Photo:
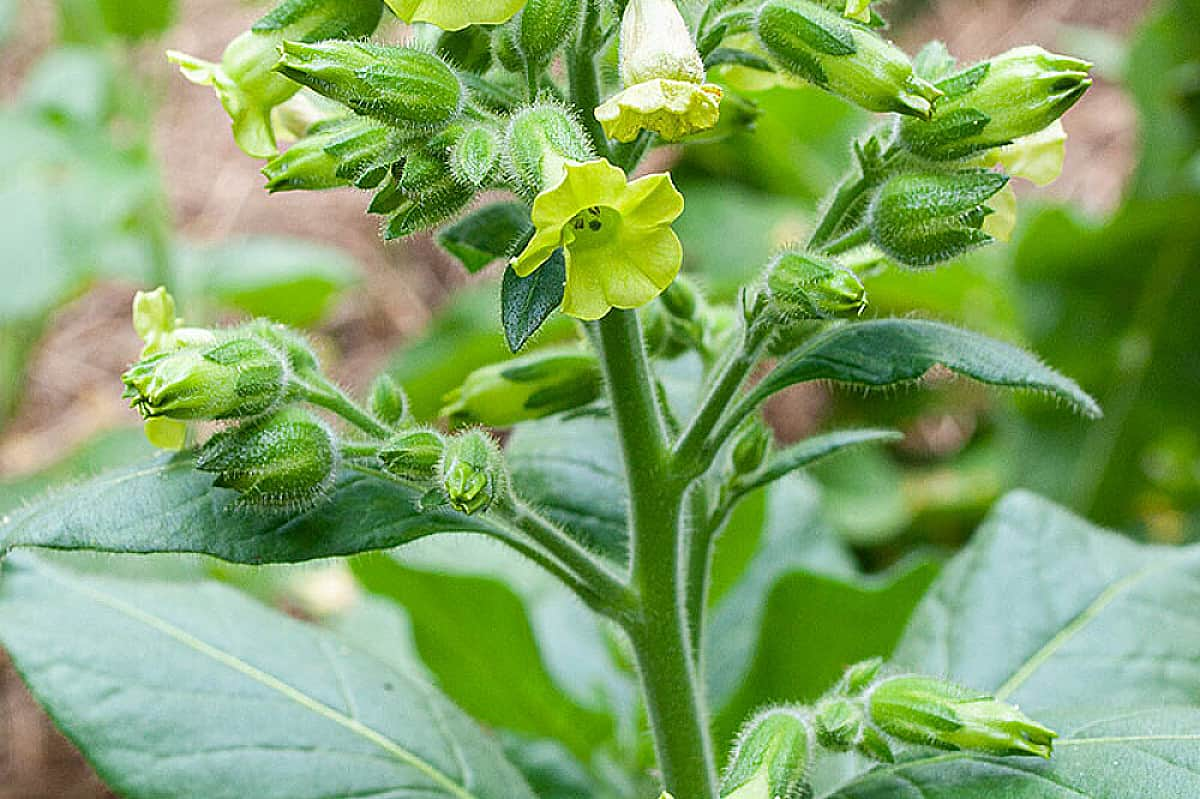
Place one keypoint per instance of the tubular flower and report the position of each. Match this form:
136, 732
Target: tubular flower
663, 76
453, 15
616, 236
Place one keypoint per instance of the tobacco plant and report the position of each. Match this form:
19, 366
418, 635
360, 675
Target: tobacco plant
527, 130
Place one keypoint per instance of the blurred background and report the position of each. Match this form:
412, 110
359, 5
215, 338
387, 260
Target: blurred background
116, 174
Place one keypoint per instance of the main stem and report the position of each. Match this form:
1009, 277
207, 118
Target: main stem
660, 637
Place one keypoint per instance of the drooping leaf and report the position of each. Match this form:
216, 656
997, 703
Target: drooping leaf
888, 352
488, 234
166, 505
193, 689
113, 448
526, 302
1048, 611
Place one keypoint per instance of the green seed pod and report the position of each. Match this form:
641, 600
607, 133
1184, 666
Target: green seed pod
820, 45
238, 377
540, 138
751, 447
530, 387
545, 26
471, 472
804, 286
287, 459
414, 454
922, 219
992, 103
389, 402
771, 758
406, 88
839, 723
932, 712
245, 80
475, 158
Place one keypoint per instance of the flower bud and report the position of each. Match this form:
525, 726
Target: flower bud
470, 472
859, 676
681, 299
540, 140
245, 81
155, 322
296, 349
389, 402
922, 219
530, 387
287, 459
545, 26
820, 45
751, 447
932, 712
839, 722
770, 759
305, 166
413, 454
992, 103
804, 286
407, 88
233, 379
475, 158
656, 43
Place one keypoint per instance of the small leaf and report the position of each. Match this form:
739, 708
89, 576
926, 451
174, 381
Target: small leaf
167, 506
526, 302
817, 448
487, 235
892, 351
194, 689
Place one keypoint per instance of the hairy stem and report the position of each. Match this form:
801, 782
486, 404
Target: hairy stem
320, 392
660, 638
584, 82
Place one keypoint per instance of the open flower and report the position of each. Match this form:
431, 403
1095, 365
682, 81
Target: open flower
616, 236
455, 15
671, 108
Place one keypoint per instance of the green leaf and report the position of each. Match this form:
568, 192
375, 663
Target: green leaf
488, 234
893, 351
818, 448
192, 689
475, 635
109, 449
1153, 752
1045, 610
526, 302
138, 19
167, 506
292, 281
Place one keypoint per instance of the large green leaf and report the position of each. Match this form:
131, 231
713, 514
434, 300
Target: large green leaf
891, 351
112, 448
167, 506
192, 689
1152, 753
475, 635
1048, 611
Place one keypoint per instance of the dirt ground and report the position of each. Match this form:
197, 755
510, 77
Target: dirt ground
215, 192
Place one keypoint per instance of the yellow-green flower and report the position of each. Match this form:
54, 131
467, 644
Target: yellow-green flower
671, 108
859, 10
455, 15
616, 235
1037, 158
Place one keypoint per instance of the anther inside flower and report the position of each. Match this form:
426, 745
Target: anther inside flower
455, 15
616, 235
671, 108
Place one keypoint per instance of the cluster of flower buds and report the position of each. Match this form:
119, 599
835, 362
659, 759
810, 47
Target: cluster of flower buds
471, 472
771, 758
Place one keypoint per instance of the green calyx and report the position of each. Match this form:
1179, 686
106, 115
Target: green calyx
805, 286
539, 141
343, 151
414, 454
530, 387
820, 45
990, 104
471, 472
771, 758
924, 218
389, 402
932, 712
287, 459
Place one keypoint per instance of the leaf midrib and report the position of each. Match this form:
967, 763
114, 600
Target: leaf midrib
270, 681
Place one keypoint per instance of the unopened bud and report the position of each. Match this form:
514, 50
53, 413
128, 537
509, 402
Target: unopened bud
288, 459
858, 677
475, 157
922, 219
771, 758
545, 26
821, 46
245, 80
530, 387
305, 166
407, 88
839, 722
388, 403
234, 379
468, 49
541, 139
470, 472
995, 102
932, 712
681, 299
413, 454
804, 286
656, 43
751, 447
296, 349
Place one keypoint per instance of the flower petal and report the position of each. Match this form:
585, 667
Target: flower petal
673, 109
632, 271
455, 15
649, 202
